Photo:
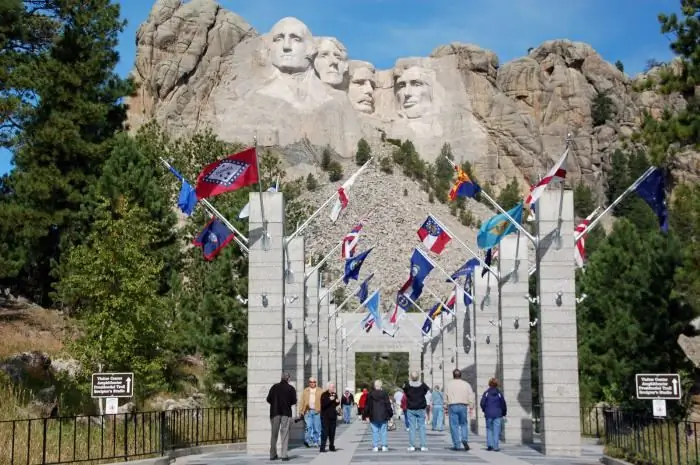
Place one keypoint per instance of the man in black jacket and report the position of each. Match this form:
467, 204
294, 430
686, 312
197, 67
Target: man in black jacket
415, 391
282, 397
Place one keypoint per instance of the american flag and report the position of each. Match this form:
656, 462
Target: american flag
350, 242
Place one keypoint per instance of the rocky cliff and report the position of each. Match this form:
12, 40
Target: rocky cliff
200, 65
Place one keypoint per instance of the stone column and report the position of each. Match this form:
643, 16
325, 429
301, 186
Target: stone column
515, 336
266, 334
428, 366
449, 347
486, 343
464, 352
414, 359
350, 364
333, 345
294, 314
558, 349
323, 337
311, 332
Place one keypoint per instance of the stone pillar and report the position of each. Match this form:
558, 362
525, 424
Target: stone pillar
486, 334
449, 344
350, 368
516, 378
414, 359
294, 314
323, 337
311, 332
266, 333
427, 359
558, 349
333, 347
464, 350
338, 326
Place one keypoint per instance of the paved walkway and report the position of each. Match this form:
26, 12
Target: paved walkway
354, 443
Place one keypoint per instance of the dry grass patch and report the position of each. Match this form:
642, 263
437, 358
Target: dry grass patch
27, 328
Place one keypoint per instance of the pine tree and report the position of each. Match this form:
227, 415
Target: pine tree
510, 195
630, 319
364, 152
64, 135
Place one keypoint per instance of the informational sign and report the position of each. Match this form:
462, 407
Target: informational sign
659, 407
112, 385
658, 386
111, 406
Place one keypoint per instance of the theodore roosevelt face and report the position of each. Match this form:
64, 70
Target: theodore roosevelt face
413, 92
291, 46
361, 89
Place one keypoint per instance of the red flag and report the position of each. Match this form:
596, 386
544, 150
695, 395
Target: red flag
580, 250
227, 175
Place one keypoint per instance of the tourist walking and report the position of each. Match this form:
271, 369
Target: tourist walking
415, 391
361, 405
282, 397
398, 398
459, 397
428, 405
404, 409
378, 411
310, 409
329, 417
438, 405
493, 404
347, 401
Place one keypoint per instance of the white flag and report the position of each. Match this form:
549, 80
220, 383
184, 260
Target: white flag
557, 173
342, 201
580, 248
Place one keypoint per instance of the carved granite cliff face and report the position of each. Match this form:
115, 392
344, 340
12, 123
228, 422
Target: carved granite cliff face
202, 66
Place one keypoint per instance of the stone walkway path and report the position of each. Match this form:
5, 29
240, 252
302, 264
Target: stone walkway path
354, 443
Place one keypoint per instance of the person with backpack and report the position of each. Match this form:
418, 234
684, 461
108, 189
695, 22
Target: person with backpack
493, 404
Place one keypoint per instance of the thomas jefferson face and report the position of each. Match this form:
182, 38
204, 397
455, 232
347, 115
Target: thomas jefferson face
413, 92
361, 89
291, 46
331, 62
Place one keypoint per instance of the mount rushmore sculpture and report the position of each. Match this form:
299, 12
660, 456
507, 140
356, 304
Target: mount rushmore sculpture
201, 66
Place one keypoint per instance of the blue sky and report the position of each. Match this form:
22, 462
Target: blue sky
382, 30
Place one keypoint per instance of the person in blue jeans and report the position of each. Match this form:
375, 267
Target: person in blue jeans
438, 401
459, 397
347, 402
415, 391
378, 411
493, 404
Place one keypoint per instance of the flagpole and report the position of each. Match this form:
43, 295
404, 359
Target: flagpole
323, 260
320, 209
266, 236
561, 196
502, 211
354, 292
469, 249
331, 287
218, 214
622, 196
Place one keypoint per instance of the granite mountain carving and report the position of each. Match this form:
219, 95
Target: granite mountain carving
200, 65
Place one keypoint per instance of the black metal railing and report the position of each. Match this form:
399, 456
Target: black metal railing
592, 421
638, 436
116, 437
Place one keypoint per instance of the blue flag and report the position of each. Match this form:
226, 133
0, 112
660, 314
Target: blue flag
465, 270
187, 199
653, 191
214, 237
421, 266
353, 265
495, 229
363, 292
372, 306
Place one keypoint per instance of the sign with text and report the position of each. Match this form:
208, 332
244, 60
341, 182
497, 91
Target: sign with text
658, 386
112, 385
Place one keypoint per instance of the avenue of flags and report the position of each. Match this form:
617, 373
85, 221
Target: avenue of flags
241, 169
